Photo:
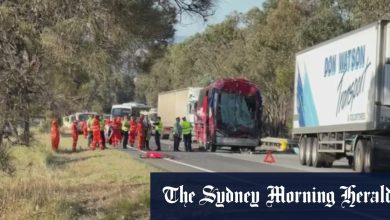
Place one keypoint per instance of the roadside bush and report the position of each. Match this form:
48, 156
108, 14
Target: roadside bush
5, 159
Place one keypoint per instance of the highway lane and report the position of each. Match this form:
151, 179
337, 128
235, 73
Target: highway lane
226, 161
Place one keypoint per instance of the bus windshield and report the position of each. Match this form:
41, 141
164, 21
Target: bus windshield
236, 114
120, 112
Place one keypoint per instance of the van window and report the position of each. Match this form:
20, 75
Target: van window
84, 117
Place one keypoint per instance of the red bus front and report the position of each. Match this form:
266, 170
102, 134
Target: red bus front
229, 114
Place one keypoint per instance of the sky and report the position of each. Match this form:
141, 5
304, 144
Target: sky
189, 26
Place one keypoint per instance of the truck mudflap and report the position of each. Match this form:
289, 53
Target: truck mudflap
380, 154
237, 142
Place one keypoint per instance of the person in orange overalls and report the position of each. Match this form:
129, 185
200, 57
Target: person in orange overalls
117, 135
85, 129
96, 133
108, 131
75, 135
132, 131
141, 133
55, 135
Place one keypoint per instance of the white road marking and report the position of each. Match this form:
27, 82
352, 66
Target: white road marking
189, 165
285, 164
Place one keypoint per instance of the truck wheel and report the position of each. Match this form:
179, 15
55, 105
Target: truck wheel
235, 149
309, 150
328, 164
208, 146
368, 157
302, 150
350, 161
316, 157
358, 159
213, 148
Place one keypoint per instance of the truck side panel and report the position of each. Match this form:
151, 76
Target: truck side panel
171, 105
335, 84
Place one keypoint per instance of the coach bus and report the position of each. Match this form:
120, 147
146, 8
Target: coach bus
229, 115
128, 109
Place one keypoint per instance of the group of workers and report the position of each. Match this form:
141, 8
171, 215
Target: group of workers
123, 130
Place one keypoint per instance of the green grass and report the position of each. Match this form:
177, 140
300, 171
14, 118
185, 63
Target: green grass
84, 185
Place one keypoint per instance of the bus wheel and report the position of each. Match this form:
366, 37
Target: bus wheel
358, 159
302, 150
213, 148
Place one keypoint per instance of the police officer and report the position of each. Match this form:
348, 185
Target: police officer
177, 132
187, 134
125, 131
158, 129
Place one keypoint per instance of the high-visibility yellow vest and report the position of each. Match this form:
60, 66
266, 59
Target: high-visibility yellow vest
102, 125
89, 124
159, 127
125, 125
186, 126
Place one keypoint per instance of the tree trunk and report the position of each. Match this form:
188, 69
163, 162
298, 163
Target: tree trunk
26, 129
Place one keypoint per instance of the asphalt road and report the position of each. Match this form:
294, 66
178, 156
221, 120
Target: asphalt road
227, 161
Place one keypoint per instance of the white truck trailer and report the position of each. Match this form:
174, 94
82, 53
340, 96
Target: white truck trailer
342, 100
177, 103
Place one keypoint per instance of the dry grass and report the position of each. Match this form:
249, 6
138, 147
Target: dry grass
84, 185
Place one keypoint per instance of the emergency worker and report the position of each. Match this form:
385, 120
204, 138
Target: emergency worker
117, 135
187, 134
75, 135
96, 133
132, 131
158, 129
140, 133
147, 131
108, 131
177, 132
125, 131
84, 126
55, 134
89, 129
102, 136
